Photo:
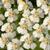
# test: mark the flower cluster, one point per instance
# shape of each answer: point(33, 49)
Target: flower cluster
point(22, 25)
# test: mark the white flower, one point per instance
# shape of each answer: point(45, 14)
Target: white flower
point(43, 45)
point(46, 22)
point(26, 23)
point(33, 11)
point(7, 27)
point(16, 11)
point(9, 46)
point(37, 13)
point(21, 30)
point(28, 41)
point(4, 39)
point(7, 5)
point(14, 45)
point(40, 13)
point(26, 13)
point(21, 6)
point(36, 26)
point(23, 21)
point(10, 19)
point(45, 8)
point(39, 2)
point(30, 4)
point(43, 5)
point(45, 42)
point(37, 35)
point(34, 19)
point(11, 15)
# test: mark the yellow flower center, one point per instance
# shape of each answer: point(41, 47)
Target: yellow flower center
point(40, 29)
point(11, 14)
point(9, 28)
point(15, 46)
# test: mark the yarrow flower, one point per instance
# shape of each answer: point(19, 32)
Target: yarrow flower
point(28, 41)
point(25, 24)
point(7, 3)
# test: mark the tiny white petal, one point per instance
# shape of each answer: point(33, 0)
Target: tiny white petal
point(36, 26)
point(33, 46)
point(25, 45)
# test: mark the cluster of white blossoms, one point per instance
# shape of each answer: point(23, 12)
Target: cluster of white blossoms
point(22, 25)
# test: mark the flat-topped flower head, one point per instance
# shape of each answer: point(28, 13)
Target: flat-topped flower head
point(25, 24)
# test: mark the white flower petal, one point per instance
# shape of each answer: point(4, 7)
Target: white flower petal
point(33, 46)
point(36, 26)
point(21, 30)
point(9, 46)
point(7, 5)
point(25, 45)
point(43, 45)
